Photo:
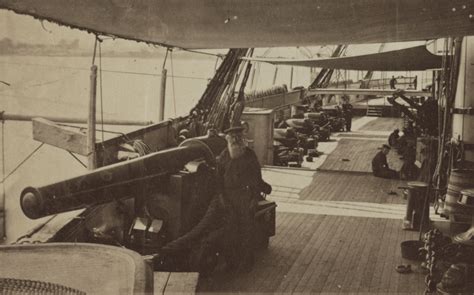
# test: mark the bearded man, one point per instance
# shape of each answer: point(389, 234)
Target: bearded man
point(240, 184)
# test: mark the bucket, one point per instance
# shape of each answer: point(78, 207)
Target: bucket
point(460, 179)
point(411, 250)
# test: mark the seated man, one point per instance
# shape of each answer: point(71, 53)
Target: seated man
point(393, 138)
point(409, 170)
point(241, 183)
point(380, 166)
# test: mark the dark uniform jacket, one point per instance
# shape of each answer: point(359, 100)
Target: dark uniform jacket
point(393, 139)
point(379, 163)
point(241, 173)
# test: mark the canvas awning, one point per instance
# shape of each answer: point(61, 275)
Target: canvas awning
point(258, 23)
point(409, 59)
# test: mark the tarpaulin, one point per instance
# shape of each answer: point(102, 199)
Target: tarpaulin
point(409, 59)
point(258, 23)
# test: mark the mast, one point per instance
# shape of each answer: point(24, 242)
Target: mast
point(463, 118)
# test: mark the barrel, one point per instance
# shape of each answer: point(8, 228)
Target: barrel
point(459, 180)
point(417, 212)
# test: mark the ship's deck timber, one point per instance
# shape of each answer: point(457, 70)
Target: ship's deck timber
point(337, 231)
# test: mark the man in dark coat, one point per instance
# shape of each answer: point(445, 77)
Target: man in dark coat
point(393, 138)
point(347, 113)
point(409, 170)
point(241, 183)
point(380, 165)
point(393, 83)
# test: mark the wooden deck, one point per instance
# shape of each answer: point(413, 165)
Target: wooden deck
point(321, 253)
point(337, 231)
point(383, 124)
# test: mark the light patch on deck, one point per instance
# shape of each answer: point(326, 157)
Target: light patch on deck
point(340, 208)
point(361, 121)
point(287, 182)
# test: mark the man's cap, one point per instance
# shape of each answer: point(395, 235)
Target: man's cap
point(386, 146)
point(234, 129)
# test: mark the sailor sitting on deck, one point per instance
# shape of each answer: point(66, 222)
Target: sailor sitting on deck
point(393, 138)
point(380, 165)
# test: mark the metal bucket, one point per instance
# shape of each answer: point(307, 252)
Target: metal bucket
point(460, 179)
point(412, 250)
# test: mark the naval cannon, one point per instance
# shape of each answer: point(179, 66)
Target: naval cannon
point(118, 181)
point(167, 195)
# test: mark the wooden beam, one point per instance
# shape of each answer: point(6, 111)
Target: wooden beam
point(58, 136)
point(356, 91)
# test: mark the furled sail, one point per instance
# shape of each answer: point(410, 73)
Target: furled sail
point(409, 59)
point(258, 23)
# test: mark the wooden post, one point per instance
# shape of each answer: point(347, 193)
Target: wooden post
point(275, 75)
point(92, 163)
point(291, 78)
point(161, 116)
point(252, 79)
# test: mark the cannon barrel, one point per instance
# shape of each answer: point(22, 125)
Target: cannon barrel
point(118, 181)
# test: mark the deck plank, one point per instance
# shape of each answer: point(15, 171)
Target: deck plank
point(283, 254)
point(299, 268)
point(354, 259)
point(328, 253)
point(373, 242)
point(337, 273)
point(314, 258)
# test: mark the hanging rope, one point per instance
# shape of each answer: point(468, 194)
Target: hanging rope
point(172, 82)
point(22, 162)
point(3, 174)
point(77, 159)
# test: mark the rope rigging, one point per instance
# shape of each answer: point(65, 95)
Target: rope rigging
point(104, 70)
point(213, 106)
point(21, 163)
point(77, 159)
point(3, 177)
point(172, 83)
